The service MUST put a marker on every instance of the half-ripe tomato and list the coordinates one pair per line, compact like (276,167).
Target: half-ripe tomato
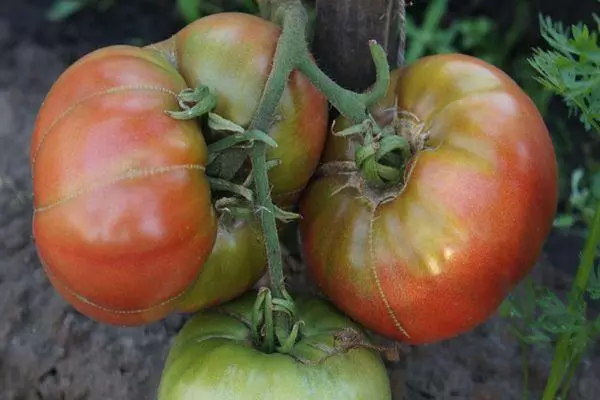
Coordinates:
(232,53)
(214,357)
(237,261)
(123,219)
(434,255)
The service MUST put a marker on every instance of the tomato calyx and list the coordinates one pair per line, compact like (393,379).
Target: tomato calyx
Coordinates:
(266,337)
(383,155)
(347,339)
(265,334)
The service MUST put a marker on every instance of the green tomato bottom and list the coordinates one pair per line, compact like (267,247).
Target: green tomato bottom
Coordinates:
(213,357)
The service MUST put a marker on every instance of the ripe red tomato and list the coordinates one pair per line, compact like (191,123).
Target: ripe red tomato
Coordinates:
(434,257)
(123,217)
(232,53)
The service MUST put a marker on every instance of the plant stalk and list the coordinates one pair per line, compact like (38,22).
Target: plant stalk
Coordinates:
(562,354)
(292,53)
(293,27)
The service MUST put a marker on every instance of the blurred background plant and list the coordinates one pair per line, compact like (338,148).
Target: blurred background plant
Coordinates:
(570,69)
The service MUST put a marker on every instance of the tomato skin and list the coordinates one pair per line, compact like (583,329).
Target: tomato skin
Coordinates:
(123,218)
(232,53)
(438,257)
(237,261)
(213,358)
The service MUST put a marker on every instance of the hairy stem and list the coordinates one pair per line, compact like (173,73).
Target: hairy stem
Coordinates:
(292,54)
(293,24)
(352,105)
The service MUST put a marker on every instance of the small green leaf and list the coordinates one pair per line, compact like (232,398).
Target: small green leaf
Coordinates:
(63,9)
(218,123)
(285,216)
(261,136)
(507,308)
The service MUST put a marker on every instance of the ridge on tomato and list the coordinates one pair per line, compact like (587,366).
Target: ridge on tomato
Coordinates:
(433,254)
(214,357)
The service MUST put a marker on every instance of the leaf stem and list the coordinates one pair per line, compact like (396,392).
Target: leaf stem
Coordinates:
(569,375)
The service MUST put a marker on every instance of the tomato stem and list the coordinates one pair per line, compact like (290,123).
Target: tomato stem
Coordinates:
(353,106)
(292,54)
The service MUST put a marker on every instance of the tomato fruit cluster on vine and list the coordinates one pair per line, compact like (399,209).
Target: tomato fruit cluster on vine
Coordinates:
(129,228)
(124,221)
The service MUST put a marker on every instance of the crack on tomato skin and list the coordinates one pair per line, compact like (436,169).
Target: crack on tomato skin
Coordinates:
(380,290)
(87,301)
(129,174)
(72,107)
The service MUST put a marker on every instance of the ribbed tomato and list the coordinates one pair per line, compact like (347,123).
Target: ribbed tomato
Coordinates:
(215,357)
(433,256)
(123,218)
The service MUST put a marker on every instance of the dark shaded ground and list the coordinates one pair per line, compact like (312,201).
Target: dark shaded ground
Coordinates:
(49,351)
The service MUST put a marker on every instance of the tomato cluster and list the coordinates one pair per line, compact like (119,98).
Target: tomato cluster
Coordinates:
(124,222)
(418,243)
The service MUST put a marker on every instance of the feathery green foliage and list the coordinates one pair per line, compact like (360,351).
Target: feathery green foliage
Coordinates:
(571,70)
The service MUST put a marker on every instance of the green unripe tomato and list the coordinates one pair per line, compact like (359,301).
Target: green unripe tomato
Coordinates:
(213,357)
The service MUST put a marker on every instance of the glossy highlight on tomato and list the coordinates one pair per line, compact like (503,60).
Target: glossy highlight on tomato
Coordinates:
(213,357)
(434,256)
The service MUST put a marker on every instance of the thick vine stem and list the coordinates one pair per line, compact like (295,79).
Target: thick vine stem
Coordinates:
(353,106)
(292,54)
